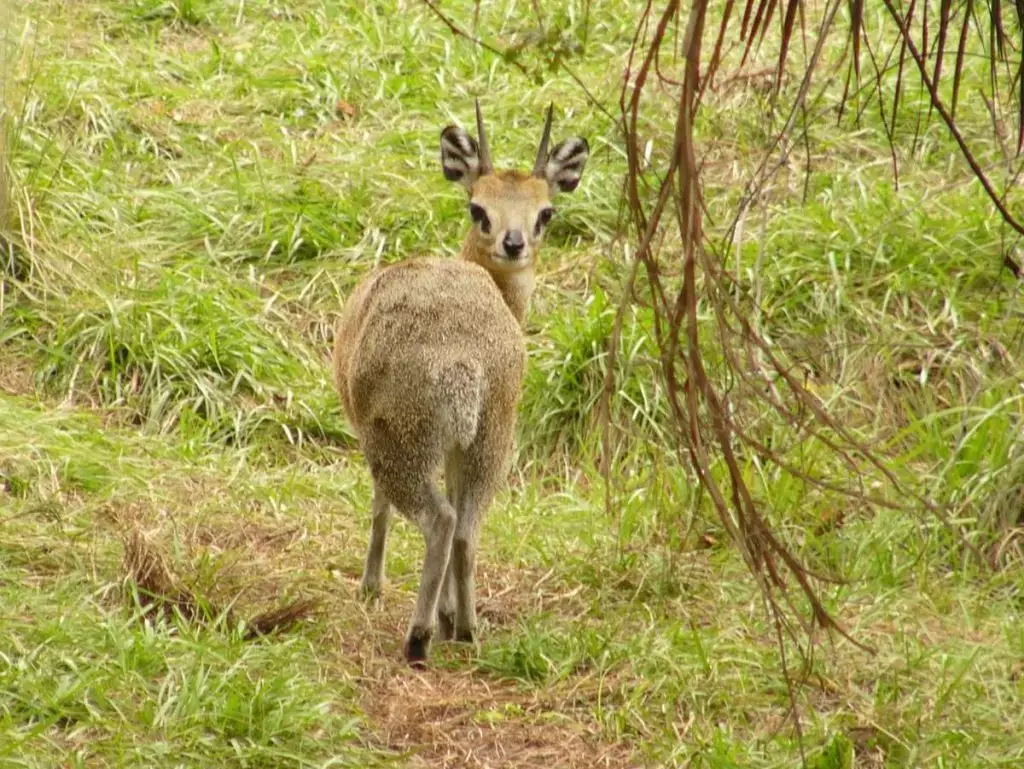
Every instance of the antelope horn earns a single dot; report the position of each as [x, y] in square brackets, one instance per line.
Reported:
[542, 151]
[485, 152]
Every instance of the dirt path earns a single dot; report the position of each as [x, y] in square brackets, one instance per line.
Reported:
[461, 719]
[454, 716]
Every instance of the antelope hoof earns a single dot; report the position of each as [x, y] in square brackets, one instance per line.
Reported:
[416, 646]
[465, 636]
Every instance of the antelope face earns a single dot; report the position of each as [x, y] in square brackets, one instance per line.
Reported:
[510, 210]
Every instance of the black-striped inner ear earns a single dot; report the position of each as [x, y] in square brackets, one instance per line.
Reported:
[460, 159]
[565, 164]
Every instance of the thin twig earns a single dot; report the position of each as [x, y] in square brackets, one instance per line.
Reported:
[940, 107]
[460, 32]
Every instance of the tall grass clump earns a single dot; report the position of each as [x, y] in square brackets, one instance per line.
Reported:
[977, 468]
[188, 350]
[12, 256]
[564, 390]
[11, 265]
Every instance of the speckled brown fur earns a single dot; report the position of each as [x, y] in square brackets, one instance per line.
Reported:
[428, 361]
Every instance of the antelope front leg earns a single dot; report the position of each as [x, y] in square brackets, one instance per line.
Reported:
[373, 569]
[438, 526]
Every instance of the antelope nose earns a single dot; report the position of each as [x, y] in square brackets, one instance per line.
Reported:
[513, 243]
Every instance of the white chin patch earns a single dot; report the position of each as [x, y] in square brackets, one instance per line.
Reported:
[511, 261]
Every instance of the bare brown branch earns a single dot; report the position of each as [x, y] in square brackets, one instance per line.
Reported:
[954, 130]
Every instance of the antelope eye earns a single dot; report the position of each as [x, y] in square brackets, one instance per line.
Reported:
[480, 217]
[543, 218]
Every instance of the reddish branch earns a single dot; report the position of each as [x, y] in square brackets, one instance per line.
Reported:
[700, 412]
[940, 107]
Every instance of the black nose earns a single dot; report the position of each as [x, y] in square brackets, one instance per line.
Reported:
[513, 243]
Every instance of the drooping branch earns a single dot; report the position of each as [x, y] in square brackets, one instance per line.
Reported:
[705, 430]
[940, 107]
[663, 200]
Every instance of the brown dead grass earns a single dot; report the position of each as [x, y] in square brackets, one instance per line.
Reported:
[254, 537]
[159, 587]
[451, 716]
[461, 719]
[505, 594]
[16, 376]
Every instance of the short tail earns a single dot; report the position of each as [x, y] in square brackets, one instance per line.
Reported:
[462, 385]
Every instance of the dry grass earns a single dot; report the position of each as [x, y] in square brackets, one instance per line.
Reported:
[453, 719]
[158, 587]
[16, 377]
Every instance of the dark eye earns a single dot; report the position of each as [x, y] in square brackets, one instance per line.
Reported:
[480, 217]
[543, 218]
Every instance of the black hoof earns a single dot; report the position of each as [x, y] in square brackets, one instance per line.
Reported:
[416, 646]
[446, 625]
[465, 636]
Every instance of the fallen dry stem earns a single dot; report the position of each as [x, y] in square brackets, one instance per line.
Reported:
[158, 587]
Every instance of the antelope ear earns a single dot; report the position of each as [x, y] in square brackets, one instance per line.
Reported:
[460, 156]
[564, 168]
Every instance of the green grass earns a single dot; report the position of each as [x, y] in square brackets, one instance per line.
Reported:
[194, 189]
[88, 684]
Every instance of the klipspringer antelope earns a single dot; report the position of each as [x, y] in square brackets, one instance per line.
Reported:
[428, 362]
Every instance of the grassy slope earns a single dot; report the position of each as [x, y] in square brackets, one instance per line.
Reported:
[203, 196]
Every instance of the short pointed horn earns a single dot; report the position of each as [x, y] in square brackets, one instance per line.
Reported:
[485, 152]
[542, 151]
